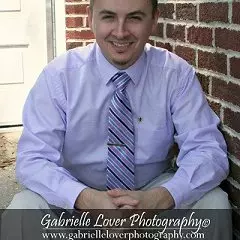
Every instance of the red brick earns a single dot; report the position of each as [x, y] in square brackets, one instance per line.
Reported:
[186, 53]
[166, 10]
[234, 197]
[186, 11]
[205, 81]
[236, 12]
[216, 107]
[167, 46]
[74, 22]
[210, 12]
[233, 193]
[84, 34]
[235, 67]
[70, 45]
[232, 119]
[76, 9]
[234, 171]
[200, 35]
[228, 39]
[226, 91]
[176, 32]
[158, 31]
[236, 223]
[233, 145]
[213, 61]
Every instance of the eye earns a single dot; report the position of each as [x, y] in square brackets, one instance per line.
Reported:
[136, 18]
[107, 17]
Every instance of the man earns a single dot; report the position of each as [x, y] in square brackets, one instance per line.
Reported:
[91, 142]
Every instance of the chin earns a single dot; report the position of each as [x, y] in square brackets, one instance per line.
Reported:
[121, 64]
[122, 61]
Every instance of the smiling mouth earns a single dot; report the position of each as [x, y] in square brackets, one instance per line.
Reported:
[117, 44]
[120, 45]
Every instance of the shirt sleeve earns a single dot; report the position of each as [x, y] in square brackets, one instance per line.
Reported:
[202, 161]
[39, 156]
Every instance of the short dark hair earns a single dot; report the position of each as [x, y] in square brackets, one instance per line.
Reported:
[154, 5]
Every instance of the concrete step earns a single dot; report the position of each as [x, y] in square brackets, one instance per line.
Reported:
[8, 184]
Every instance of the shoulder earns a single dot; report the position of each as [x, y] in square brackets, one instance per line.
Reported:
[57, 75]
[72, 59]
[160, 58]
[169, 71]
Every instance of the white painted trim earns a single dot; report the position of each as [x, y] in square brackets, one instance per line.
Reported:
[11, 129]
[60, 26]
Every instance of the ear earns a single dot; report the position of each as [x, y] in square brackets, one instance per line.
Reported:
[89, 18]
[155, 19]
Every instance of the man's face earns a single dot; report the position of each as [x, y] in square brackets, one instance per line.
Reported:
[121, 28]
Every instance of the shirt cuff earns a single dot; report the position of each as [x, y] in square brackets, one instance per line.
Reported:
[69, 191]
[178, 189]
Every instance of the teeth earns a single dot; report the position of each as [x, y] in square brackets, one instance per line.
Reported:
[120, 44]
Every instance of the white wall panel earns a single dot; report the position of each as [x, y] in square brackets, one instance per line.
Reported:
[10, 5]
[11, 70]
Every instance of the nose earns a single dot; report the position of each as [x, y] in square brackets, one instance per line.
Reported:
[120, 30]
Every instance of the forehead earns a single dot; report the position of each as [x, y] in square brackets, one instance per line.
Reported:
[123, 6]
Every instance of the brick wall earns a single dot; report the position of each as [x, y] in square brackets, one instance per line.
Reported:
[207, 34]
[77, 30]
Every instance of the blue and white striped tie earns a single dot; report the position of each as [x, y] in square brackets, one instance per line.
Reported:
[120, 164]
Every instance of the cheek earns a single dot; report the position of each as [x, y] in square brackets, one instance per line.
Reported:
[102, 31]
[141, 32]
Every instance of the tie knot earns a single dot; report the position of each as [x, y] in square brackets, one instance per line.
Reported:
[121, 79]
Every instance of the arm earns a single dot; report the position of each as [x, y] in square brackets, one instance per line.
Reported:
[202, 159]
[39, 156]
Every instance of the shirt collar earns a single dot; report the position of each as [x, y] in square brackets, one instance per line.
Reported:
[107, 70]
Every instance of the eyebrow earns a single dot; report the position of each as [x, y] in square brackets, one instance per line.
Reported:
[106, 12]
[143, 14]
[138, 12]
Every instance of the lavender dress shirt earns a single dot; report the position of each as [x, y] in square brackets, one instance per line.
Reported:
[63, 147]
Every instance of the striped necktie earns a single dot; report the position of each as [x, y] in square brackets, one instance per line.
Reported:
[120, 163]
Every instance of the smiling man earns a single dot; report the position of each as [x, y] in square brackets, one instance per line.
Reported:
[122, 34]
[101, 119]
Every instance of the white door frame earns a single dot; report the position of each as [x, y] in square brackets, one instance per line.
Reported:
[60, 26]
[59, 42]
[27, 22]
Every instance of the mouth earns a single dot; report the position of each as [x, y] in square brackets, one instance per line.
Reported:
[121, 46]
[117, 44]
